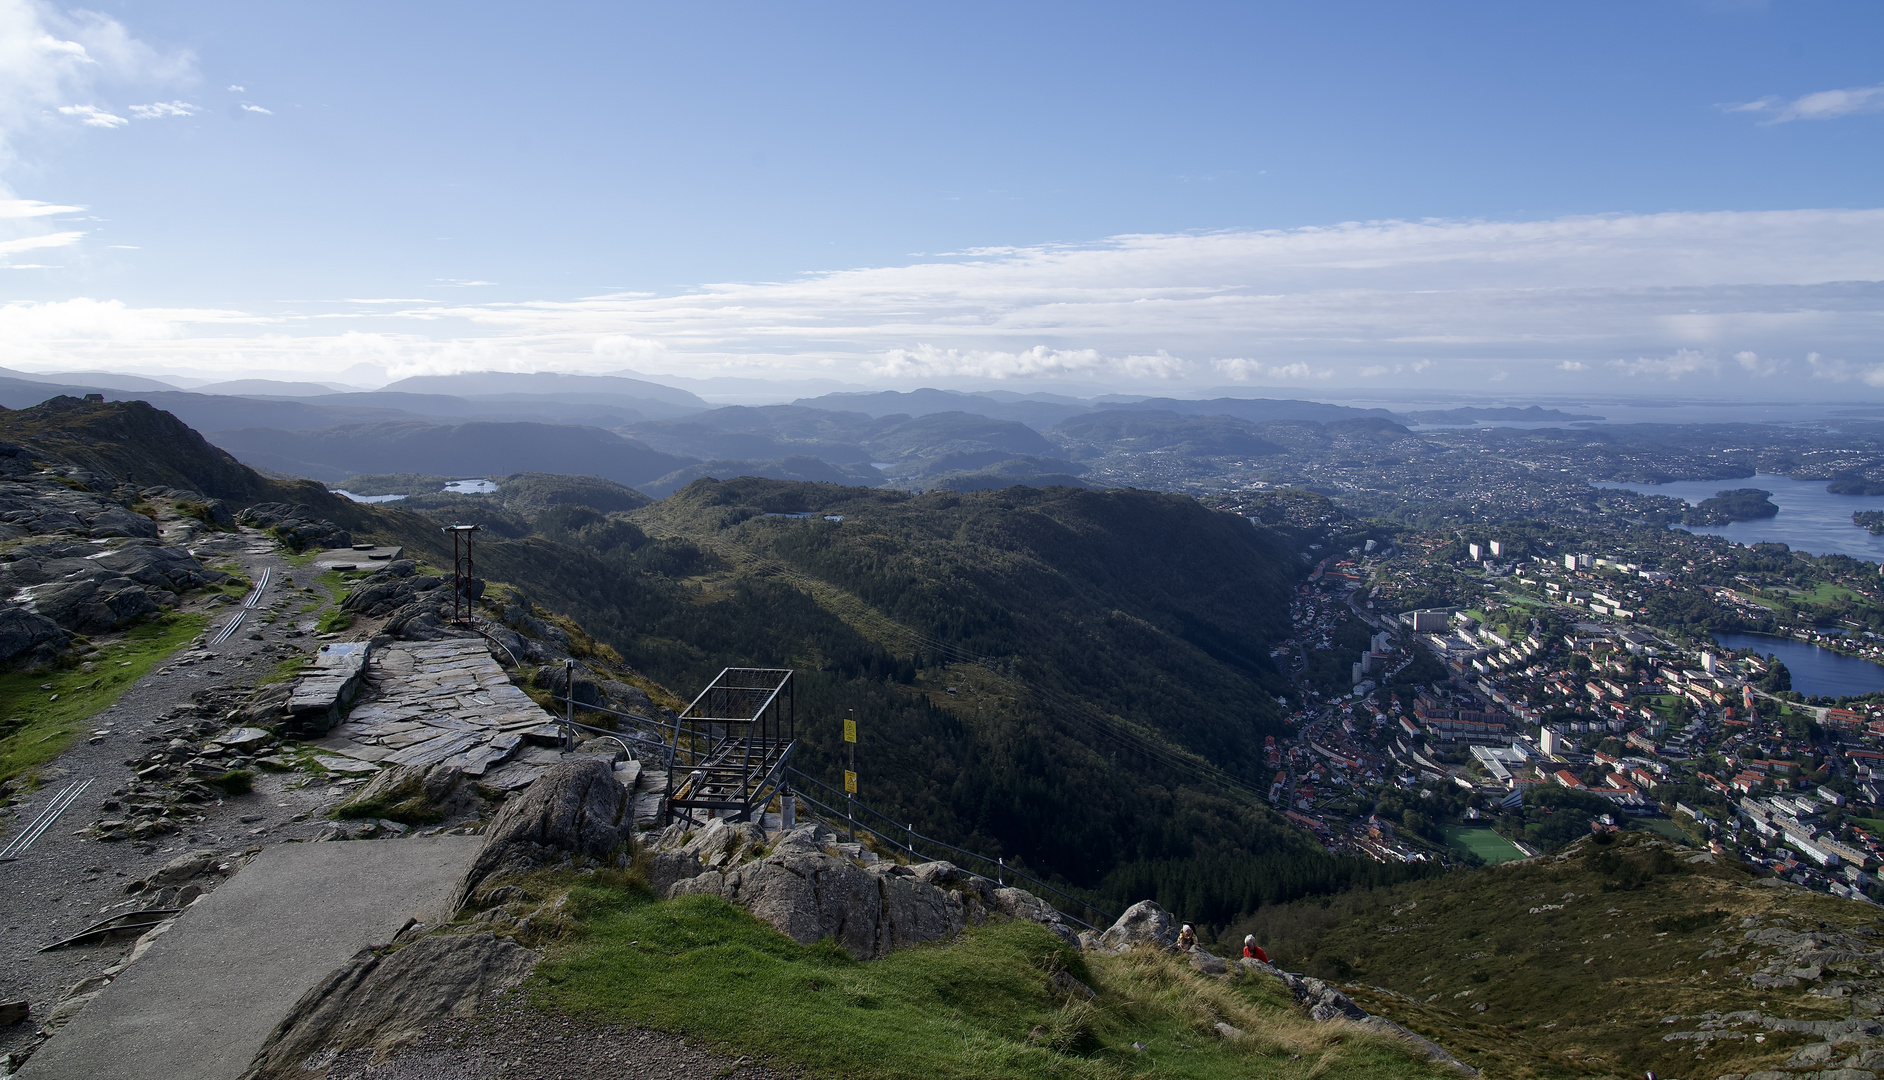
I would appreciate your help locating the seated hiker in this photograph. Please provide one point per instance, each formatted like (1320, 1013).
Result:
(1253, 951)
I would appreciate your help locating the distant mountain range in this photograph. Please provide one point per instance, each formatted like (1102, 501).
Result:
(659, 438)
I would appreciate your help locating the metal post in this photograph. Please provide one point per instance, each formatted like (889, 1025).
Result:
(850, 822)
(569, 704)
(912, 838)
(1001, 874)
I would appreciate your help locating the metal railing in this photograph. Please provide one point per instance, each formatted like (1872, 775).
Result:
(902, 837)
(905, 838)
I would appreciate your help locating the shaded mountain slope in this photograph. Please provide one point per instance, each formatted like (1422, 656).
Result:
(479, 448)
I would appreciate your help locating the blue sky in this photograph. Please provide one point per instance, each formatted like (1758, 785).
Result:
(1649, 196)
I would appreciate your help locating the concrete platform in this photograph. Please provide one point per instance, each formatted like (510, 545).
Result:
(358, 557)
(198, 1005)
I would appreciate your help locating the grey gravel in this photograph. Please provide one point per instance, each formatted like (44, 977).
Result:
(64, 882)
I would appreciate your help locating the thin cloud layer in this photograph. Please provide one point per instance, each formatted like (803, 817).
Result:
(1571, 301)
(1823, 105)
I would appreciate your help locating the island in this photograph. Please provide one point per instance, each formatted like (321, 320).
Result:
(1726, 507)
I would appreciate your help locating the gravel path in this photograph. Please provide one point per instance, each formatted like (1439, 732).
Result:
(64, 883)
(516, 1042)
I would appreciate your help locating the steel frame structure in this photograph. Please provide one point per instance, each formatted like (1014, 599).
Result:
(731, 746)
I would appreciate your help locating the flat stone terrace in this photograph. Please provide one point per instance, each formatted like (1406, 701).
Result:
(446, 701)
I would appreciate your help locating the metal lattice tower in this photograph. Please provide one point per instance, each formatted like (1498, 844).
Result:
(731, 746)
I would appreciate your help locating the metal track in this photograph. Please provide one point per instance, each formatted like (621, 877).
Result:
(36, 828)
(248, 603)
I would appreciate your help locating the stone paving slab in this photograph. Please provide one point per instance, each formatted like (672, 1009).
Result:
(432, 701)
(199, 1004)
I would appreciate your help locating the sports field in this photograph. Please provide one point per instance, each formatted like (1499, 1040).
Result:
(1484, 843)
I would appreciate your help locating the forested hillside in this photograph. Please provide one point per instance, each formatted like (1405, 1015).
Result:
(1077, 680)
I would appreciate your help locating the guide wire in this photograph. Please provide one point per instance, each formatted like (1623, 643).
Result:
(1057, 703)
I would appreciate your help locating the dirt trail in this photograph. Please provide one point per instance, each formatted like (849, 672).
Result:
(66, 882)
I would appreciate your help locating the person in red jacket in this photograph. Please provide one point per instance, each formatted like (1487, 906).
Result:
(1253, 951)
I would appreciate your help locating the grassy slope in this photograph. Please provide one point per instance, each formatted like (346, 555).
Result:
(1568, 992)
(980, 1007)
(39, 728)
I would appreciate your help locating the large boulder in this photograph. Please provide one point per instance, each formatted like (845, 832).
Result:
(391, 587)
(413, 795)
(574, 810)
(381, 1002)
(150, 563)
(28, 638)
(1144, 923)
(296, 526)
(92, 606)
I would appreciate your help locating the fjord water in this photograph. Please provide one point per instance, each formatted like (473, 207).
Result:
(1816, 671)
(1810, 518)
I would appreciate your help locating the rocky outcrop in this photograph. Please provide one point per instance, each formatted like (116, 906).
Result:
(390, 588)
(296, 526)
(1325, 1003)
(410, 795)
(574, 810)
(61, 501)
(81, 588)
(1144, 923)
(330, 684)
(808, 888)
(382, 1002)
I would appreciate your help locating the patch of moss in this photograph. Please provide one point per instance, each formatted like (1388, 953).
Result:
(234, 782)
(405, 803)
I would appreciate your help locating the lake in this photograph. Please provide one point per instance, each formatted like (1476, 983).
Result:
(1816, 671)
(367, 498)
(1810, 518)
(471, 487)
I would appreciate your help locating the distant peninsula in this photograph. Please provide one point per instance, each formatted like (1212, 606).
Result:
(1726, 507)
(1871, 521)
(1854, 485)
(1507, 414)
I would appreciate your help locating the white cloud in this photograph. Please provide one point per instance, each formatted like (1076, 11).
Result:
(1681, 362)
(927, 362)
(29, 326)
(35, 243)
(159, 109)
(32, 208)
(238, 89)
(1823, 105)
(1241, 370)
(1673, 291)
(92, 116)
(51, 59)
(257, 109)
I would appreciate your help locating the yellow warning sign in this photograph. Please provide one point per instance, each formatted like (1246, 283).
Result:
(850, 731)
(850, 782)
